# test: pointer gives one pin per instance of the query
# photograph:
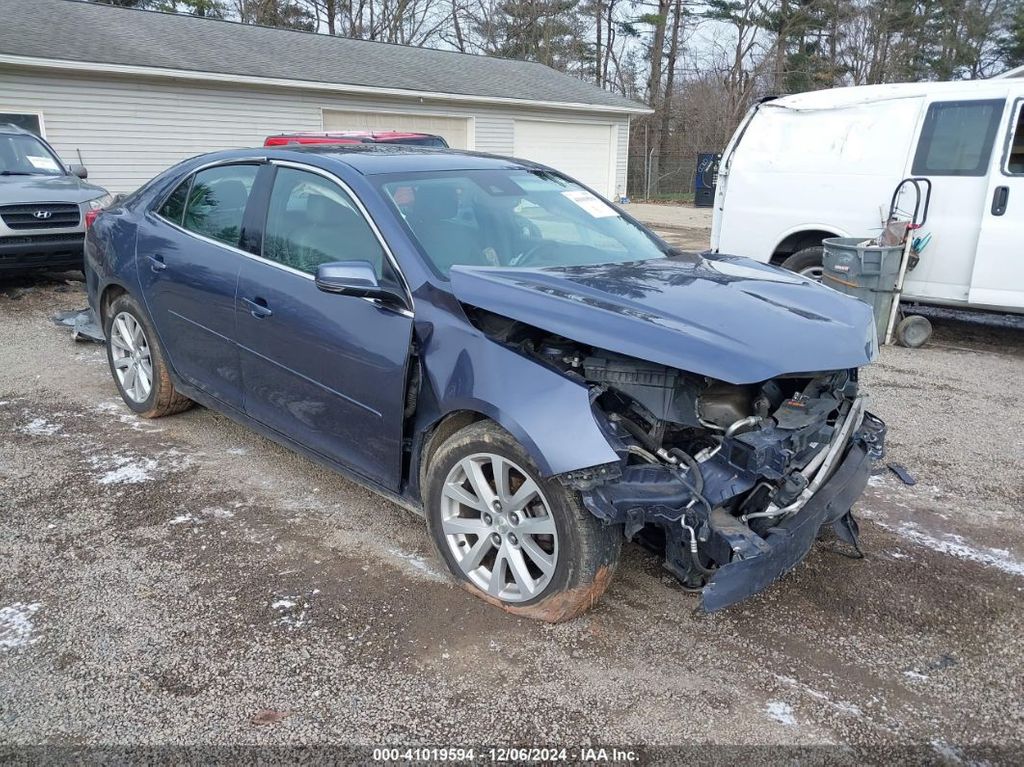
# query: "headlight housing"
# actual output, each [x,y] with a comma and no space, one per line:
[100,202]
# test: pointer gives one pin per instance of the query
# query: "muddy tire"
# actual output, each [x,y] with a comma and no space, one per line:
[137,361]
[511,537]
[806,262]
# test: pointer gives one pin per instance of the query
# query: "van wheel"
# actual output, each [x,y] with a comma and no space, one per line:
[513,538]
[807,262]
[137,362]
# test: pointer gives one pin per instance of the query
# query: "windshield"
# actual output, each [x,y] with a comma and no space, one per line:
[513,218]
[22,155]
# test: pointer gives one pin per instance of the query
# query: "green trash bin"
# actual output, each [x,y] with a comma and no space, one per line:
[867,272]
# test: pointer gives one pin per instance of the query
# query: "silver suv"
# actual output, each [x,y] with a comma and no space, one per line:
[43,204]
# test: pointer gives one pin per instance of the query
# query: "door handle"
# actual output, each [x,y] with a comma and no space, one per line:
[156,263]
[999,200]
[257,307]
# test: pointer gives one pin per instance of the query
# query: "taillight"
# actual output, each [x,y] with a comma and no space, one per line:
[90,216]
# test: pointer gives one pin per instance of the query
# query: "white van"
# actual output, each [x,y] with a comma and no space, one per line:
[826,163]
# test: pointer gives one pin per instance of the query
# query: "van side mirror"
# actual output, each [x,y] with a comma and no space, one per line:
[79,170]
[355,278]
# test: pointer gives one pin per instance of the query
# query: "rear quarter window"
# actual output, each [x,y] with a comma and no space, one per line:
[957,138]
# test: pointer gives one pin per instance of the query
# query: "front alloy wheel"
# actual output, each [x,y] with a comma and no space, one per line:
[511,536]
[498,527]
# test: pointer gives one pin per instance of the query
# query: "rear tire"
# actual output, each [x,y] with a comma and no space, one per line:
[137,361]
[807,262]
[545,557]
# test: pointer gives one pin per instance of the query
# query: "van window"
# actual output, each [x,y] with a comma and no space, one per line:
[957,138]
[1015,162]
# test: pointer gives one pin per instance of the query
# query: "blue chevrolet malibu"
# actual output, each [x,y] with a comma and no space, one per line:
[494,345]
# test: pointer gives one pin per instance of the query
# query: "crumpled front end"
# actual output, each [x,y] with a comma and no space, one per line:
[735,495]
[732,482]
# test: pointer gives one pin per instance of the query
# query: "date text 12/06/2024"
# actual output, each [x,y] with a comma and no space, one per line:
[510,754]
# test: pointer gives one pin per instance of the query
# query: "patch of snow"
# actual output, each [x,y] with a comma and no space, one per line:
[182,519]
[118,410]
[876,480]
[40,427]
[947,752]
[130,473]
[238,451]
[916,676]
[781,712]
[420,565]
[290,616]
[16,624]
[957,546]
[842,706]
[217,513]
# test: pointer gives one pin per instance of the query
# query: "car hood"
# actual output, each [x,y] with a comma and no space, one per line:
[28,189]
[725,317]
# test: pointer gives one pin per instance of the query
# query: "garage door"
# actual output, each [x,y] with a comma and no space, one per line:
[582,151]
[455,130]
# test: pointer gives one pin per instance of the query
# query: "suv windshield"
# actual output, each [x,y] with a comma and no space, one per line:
[23,155]
[513,218]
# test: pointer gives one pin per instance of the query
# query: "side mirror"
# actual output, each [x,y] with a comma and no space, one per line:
[355,278]
[79,170]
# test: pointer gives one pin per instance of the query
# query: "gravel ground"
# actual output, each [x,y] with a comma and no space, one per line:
[184,581]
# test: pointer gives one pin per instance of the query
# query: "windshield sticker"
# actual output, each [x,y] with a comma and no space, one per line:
[592,204]
[42,163]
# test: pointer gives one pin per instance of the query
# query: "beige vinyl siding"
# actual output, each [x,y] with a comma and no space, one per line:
[127,129]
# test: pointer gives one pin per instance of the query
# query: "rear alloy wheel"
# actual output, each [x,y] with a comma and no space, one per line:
[807,263]
[510,536]
[137,362]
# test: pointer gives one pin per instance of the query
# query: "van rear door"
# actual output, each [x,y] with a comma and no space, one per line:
[954,152]
[998,278]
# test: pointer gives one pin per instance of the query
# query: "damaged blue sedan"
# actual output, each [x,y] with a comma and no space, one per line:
[494,345]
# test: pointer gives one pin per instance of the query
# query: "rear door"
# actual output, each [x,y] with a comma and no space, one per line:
[954,151]
[325,370]
[188,259]
[998,277]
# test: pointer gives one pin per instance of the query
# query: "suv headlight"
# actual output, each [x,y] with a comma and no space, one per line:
[100,202]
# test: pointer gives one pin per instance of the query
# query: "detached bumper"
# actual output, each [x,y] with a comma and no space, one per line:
[765,559]
[735,559]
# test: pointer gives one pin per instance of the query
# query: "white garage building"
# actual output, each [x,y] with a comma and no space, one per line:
[128,93]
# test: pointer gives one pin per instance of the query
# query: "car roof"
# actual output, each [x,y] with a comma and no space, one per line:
[375,159]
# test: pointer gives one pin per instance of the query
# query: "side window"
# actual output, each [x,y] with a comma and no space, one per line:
[312,221]
[173,208]
[216,202]
[957,138]
[1015,160]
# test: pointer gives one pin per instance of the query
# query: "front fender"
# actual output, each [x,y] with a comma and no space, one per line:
[549,414]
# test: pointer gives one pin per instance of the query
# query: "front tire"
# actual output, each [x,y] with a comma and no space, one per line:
[137,361]
[807,262]
[510,536]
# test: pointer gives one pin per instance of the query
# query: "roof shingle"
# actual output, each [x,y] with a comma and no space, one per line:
[89,32]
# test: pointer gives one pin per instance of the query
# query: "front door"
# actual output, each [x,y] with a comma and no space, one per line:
[998,279]
[188,261]
[953,151]
[326,370]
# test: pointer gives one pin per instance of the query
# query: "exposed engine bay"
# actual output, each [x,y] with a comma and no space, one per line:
[732,483]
